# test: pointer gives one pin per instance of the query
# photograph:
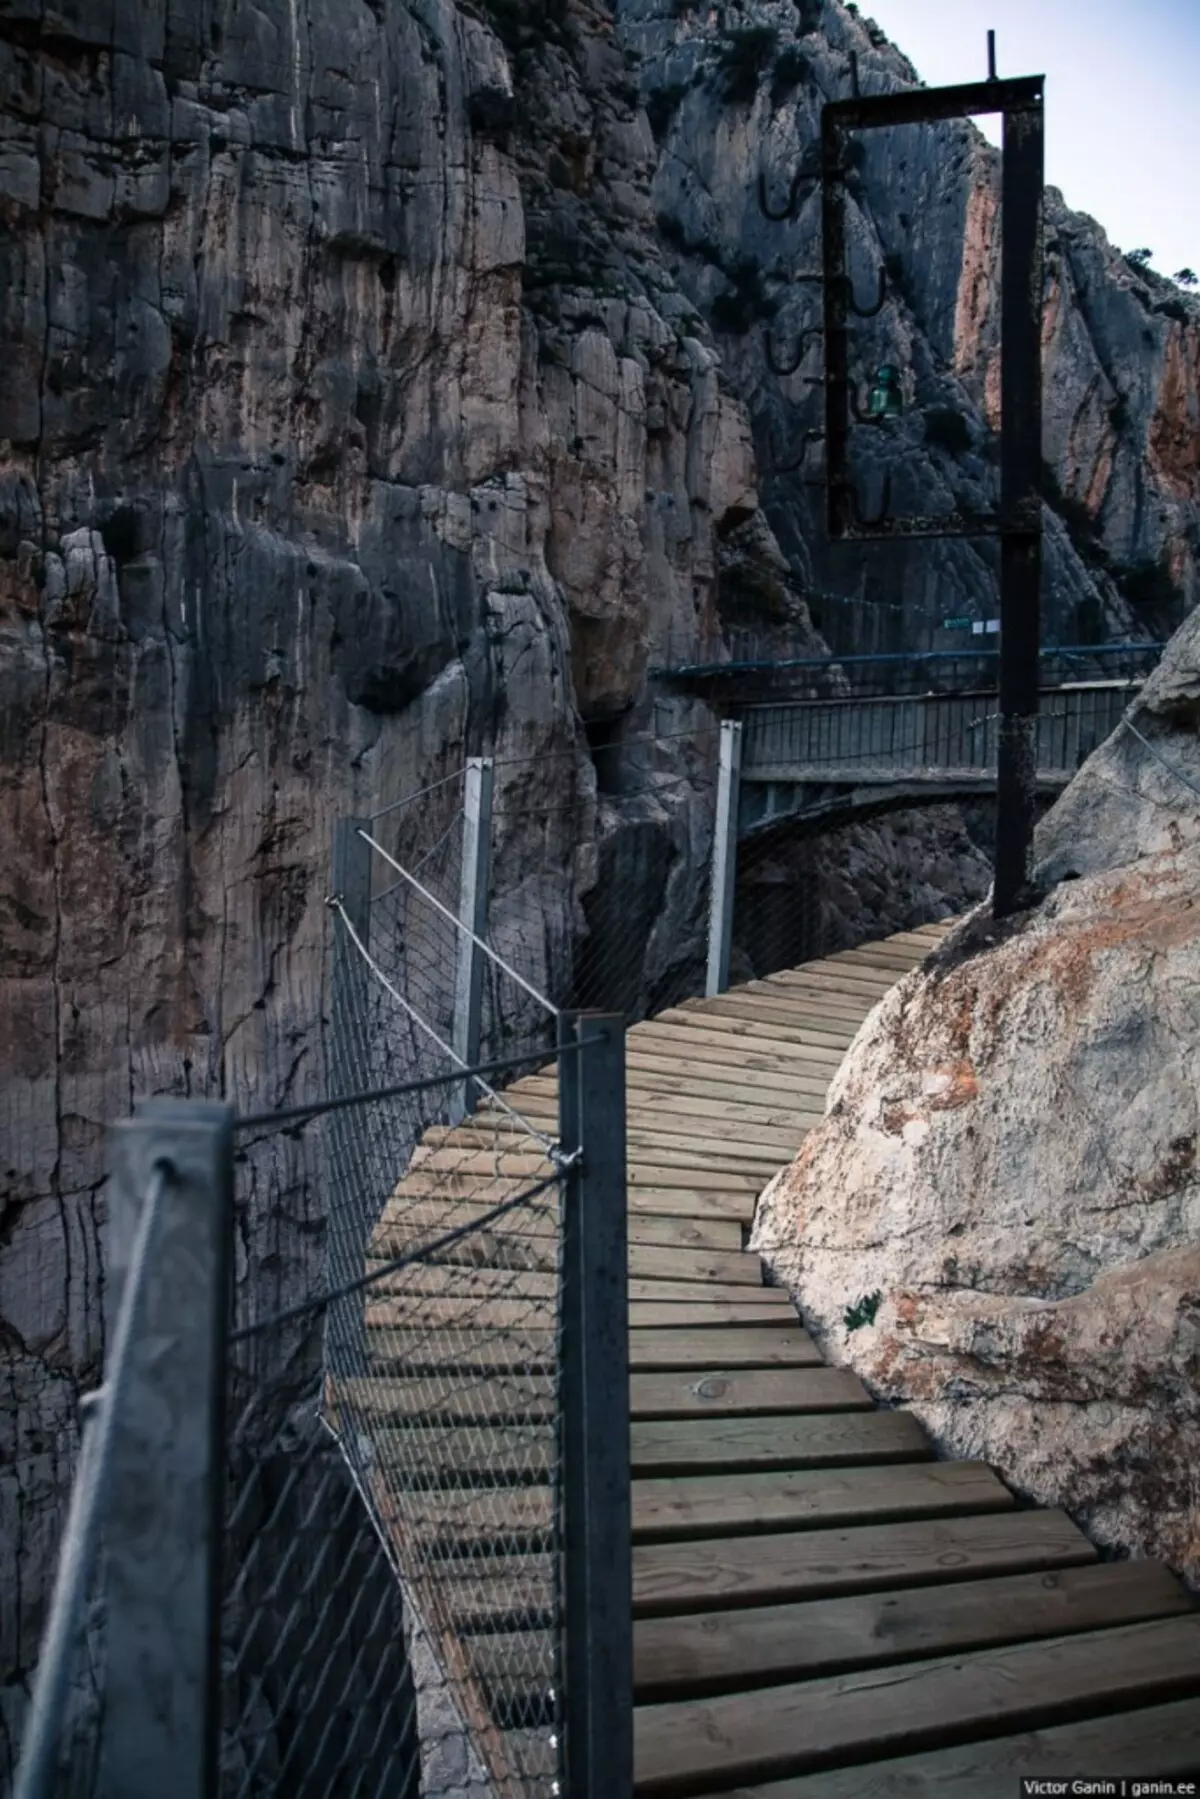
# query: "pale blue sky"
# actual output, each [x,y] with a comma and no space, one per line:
[1122,100]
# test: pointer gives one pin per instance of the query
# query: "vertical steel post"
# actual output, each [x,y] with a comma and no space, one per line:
[724,860]
[594,1420]
[1021,288]
[347,1071]
[473,912]
[163,1519]
[837,343]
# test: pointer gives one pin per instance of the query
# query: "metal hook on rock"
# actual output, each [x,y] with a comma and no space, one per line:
[804,173]
[775,364]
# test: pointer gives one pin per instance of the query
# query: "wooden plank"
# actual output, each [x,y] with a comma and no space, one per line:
[727,1392]
[792,1020]
[662,1169]
[457,1354]
[647,1262]
[670,1169]
[429,1599]
[683,1577]
[649,1128]
[510,1592]
[522,1516]
[716,1084]
[730,1204]
[852,978]
[716,1308]
[837,1439]
[535,1756]
[682,1749]
[818,1029]
[718,1021]
[898,963]
[726,1346]
[734,1036]
[742,1505]
[686,1264]
[1150,1743]
[728,1651]
[724,1651]
[469,1453]
[732,1043]
[495,1400]
[653,1305]
[467,1347]
[463,1523]
[776,1113]
[798,1029]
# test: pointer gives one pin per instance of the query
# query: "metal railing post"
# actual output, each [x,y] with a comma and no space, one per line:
[163,1516]
[724,860]
[349,1225]
[598,1588]
[473,912]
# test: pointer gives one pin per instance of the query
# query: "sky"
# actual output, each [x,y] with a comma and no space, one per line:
[1122,100]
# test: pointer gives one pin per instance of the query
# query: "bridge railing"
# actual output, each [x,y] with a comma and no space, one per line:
[926,737]
[359,1470]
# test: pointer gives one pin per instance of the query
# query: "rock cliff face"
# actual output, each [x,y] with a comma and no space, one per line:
[738,91]
[998,1222]
[361,410]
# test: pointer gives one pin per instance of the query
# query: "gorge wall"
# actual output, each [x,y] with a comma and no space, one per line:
[378,389]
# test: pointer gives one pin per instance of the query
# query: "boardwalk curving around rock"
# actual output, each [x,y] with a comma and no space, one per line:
[822,1608]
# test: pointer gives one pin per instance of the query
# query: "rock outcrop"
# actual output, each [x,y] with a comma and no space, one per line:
[736,92]
[360,410]
[998,1221]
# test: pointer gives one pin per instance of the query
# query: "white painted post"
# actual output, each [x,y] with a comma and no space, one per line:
[473,912]
[724,861]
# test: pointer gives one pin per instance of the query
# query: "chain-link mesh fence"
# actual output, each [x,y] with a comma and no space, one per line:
[601,874]
[442,1375]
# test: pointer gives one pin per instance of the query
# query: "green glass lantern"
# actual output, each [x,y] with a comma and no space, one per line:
[887,400]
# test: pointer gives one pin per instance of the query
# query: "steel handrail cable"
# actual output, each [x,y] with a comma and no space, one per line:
[547,1143]
[37,1773]
[1169,766]
[465,930]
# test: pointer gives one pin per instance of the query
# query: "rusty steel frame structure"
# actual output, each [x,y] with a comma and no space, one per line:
[1018,523]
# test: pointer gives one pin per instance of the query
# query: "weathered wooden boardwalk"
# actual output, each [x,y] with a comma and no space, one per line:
[822,1609]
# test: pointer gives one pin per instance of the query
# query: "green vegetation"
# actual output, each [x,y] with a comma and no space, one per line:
[789,71]
[855,1316]
[741,61]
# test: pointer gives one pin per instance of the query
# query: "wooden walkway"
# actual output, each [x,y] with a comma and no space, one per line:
[822,1609]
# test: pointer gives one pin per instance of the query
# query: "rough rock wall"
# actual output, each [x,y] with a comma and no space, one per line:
[998,1221]
[294,512]
[735,90]
[357,414]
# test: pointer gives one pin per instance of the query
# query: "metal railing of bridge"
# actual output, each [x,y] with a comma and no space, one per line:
[307,1471]
[268,1472]
[936,737]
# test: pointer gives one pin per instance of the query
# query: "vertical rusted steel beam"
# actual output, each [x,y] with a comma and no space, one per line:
[1021,287]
